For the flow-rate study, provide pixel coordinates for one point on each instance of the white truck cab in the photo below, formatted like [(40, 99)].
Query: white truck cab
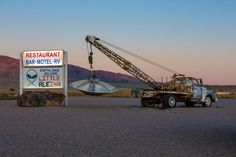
[(201, 94)]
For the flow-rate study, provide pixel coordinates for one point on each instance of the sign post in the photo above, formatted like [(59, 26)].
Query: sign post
[(44, 70), (66, 78)]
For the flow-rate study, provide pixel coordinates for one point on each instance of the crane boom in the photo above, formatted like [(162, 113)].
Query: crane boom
[(123, 63)]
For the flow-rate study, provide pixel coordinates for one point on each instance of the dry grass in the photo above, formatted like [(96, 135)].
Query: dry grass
[(8, 96), (230, 96), (73, 92), (123, 92)]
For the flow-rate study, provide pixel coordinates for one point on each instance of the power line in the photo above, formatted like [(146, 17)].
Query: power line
[(140, 57)]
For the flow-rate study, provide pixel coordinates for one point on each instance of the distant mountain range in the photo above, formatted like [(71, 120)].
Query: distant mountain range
[(9, 75), (10, 67)]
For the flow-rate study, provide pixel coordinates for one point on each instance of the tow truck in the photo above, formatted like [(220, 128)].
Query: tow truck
[(180, 88)]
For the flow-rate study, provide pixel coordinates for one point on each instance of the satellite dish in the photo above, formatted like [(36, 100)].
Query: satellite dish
[(93, 87)]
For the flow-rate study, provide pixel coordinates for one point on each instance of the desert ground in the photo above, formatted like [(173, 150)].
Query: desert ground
[(100, 126)]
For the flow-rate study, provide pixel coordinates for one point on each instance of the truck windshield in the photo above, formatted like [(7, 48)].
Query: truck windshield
[(188, 82)]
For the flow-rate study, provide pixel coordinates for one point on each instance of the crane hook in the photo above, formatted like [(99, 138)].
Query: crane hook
[(90, 59)]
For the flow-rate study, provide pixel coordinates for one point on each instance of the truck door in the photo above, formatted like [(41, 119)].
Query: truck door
[(196, 89)]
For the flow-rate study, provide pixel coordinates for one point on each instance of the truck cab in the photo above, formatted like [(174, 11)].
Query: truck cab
[(189, 90), (200, 93)]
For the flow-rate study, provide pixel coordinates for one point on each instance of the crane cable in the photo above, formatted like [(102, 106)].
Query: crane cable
[(90, 59), (140, 57)]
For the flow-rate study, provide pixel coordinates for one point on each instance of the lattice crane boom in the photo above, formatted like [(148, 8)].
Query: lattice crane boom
[(123, 63)]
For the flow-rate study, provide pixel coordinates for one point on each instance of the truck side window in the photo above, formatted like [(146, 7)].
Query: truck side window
[(195, 82)]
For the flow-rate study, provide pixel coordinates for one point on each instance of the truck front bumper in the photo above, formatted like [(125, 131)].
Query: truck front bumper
[(215, 99)]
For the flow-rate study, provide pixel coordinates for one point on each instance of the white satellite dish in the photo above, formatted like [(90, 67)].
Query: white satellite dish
[(93, 87)]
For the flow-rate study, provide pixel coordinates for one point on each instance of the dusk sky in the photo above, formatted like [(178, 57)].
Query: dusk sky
[(194, 37)]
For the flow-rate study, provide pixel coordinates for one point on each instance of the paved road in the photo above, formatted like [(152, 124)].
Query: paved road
[(117, 127)]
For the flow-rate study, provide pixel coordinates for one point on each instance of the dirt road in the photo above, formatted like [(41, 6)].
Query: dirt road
[(95, 126)]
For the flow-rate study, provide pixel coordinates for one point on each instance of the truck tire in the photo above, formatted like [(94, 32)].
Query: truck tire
[(207, 102), (189, 104), (147, 103), (169, 101)]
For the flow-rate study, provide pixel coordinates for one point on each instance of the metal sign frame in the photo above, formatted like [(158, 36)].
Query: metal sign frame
[(64, 67)]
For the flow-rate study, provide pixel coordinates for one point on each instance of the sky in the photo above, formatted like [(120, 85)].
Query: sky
[(196, 38)]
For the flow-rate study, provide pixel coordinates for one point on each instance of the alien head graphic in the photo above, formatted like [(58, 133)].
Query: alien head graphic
[(31, 76)]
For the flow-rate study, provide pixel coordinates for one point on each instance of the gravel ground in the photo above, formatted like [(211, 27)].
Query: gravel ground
[(96, 126)]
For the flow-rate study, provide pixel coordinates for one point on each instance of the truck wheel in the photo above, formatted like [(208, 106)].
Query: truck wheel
[(147, 103), (169, 101), (189, 104), (207, 102)]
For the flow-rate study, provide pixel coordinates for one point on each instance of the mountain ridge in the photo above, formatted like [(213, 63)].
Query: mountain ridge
[(10, 68)]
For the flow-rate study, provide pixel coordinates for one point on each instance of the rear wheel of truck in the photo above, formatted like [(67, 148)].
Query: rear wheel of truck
[(169, 101), (207, 102)]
